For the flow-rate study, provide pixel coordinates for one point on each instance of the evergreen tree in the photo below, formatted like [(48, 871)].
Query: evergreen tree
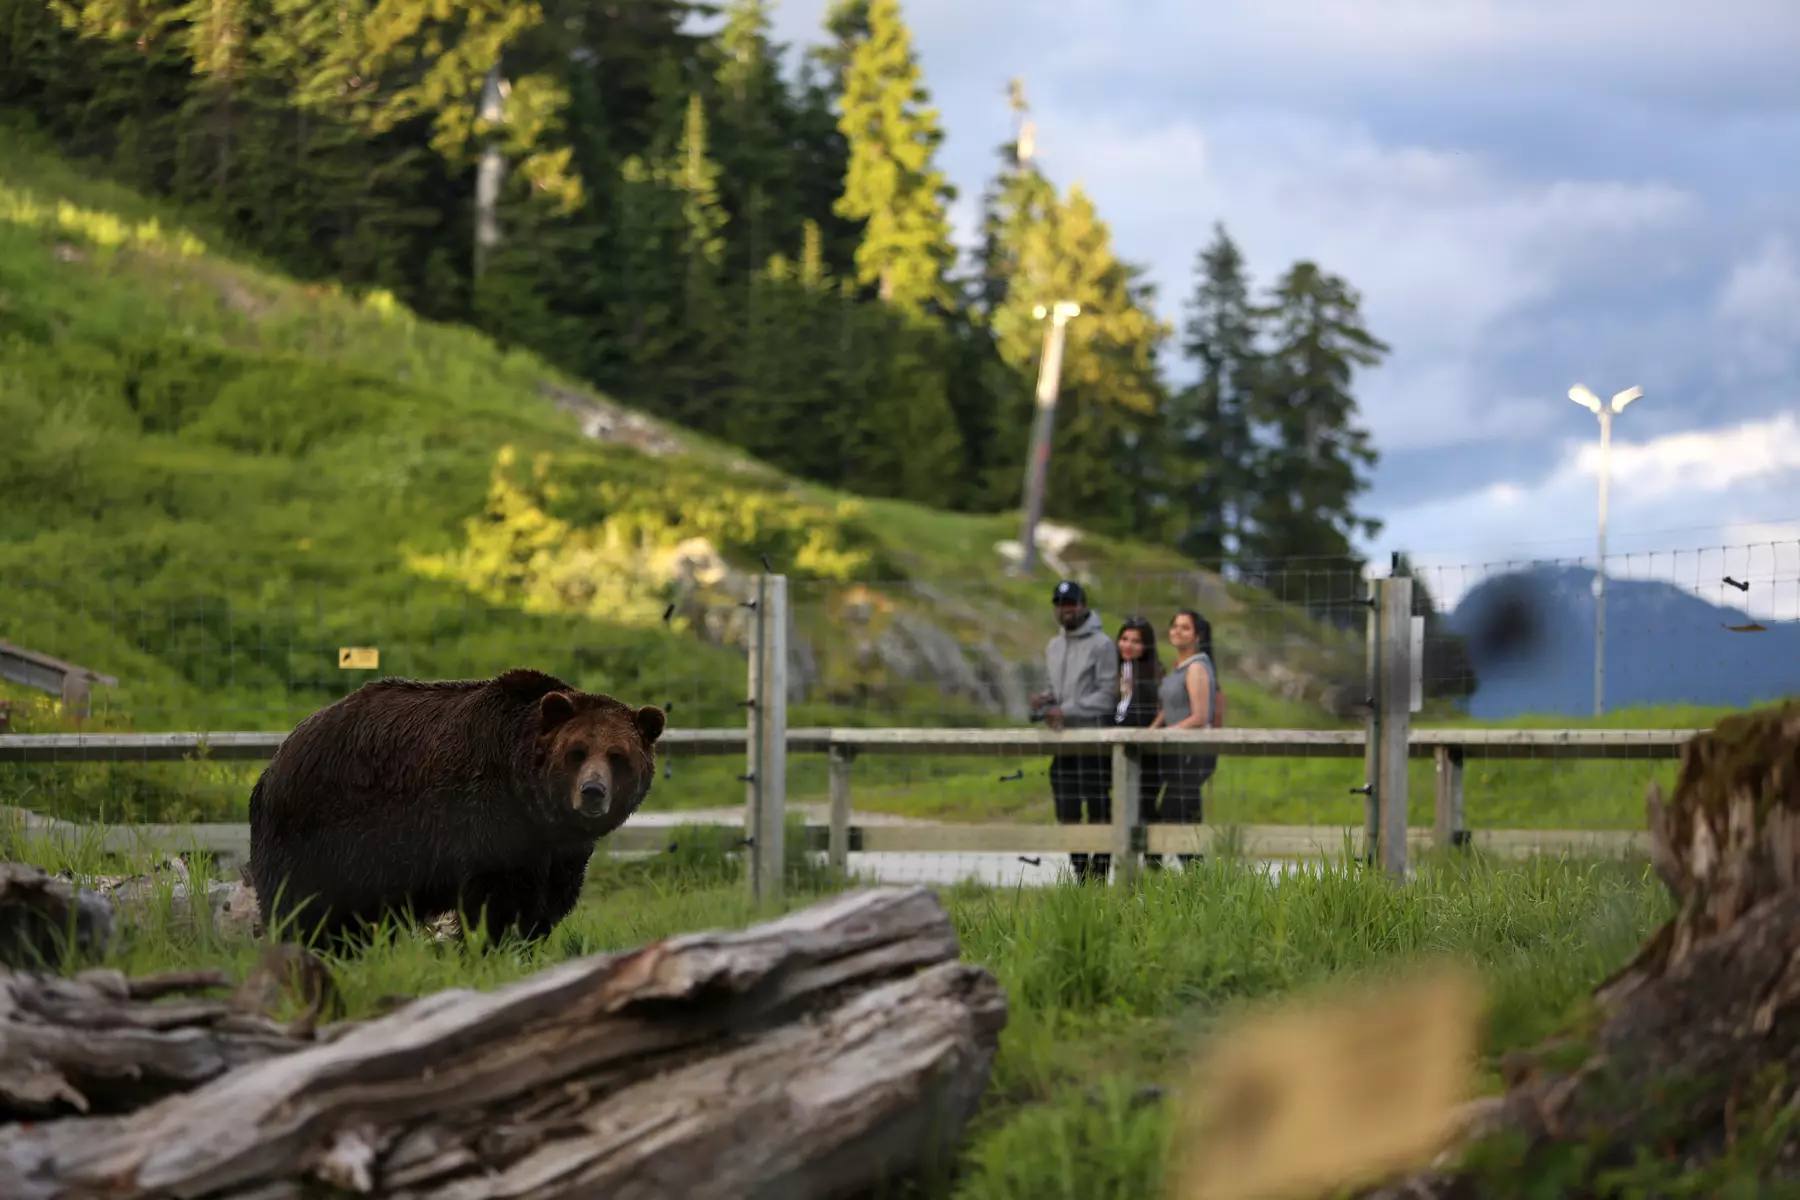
[(1210, 454), (846, 26), (721, 276), (753, 116), (1311, 470), (700, 371), (892, 184)]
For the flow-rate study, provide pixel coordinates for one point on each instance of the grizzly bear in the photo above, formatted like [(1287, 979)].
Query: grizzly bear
[(411, 798)]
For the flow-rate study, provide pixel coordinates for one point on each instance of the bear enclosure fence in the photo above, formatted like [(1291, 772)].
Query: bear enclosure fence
[(1388, 745)]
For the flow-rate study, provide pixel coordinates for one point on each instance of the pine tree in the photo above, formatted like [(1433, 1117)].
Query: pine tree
[(1209, 450), (892, 184), (695, 178), (1312, 472), (755, 117), (846, 26)]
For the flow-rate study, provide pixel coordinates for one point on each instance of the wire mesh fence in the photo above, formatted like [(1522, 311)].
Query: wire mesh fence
[(220, 650), (1689, 634), (1503, 645)]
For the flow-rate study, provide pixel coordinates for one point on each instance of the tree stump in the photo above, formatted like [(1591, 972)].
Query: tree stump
[(1694, 1045), (816, 1056)]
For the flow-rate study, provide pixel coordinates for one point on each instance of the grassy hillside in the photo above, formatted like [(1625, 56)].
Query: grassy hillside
[(217, 476)]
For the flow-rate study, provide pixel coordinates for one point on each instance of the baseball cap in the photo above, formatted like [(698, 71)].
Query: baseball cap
[(1068, 592)]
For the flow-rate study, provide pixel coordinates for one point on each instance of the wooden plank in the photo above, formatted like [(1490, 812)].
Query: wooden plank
[(1447, 825), (1260, 841), (1555, 743), (137, 747), (771, 817), (1395, 701), (1327, 841), (1127, 775), (1521, 843), (228, 842), (232, 841), (986, 839), (1371, 710), (753, 741), (838, 848), (260, 747), (1331, 743)]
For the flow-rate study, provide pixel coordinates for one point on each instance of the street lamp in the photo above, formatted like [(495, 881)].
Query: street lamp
[(1037, 464), (1580, 395)]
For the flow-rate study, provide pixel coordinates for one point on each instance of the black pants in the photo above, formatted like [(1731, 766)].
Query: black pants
[(1182, 778), (1082, 784)]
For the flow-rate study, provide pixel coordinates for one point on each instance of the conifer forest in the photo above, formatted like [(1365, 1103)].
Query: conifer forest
[(747, 238)]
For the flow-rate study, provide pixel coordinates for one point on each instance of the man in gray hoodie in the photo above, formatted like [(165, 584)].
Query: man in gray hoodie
[(1083, 665)]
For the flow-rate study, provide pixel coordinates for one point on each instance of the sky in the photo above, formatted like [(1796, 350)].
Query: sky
[(1526, 193)]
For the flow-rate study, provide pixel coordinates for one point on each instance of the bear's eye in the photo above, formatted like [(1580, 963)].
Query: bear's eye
[(577, 756)]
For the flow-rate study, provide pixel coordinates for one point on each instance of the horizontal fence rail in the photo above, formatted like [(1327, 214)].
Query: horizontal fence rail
[(230, 843), (1329, 743), (842, 836)]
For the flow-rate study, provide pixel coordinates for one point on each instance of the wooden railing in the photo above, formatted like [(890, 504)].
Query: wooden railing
[(840, 837)]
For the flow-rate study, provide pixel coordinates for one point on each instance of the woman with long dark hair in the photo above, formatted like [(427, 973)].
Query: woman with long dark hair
[(1188, 693), (1140, 675)]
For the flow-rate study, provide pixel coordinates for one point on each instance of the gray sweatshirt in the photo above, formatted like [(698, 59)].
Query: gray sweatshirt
[(1084, 673)]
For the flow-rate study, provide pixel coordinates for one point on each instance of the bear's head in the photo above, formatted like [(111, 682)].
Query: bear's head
[(599, 756)]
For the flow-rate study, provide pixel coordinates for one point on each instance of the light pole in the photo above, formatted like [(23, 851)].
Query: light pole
[(1580, 395), (1037, 465)]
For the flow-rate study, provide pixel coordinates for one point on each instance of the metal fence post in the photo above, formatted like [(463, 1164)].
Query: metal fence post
[(1394, 701), (771, 770)]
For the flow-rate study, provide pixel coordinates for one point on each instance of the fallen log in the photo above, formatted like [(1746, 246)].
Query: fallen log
[(99, 1042), (1693, 1047), (818, 1055), (44, 919)]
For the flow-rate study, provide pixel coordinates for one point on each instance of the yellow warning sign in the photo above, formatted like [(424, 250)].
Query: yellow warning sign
[(359, 658), (1330, 1090)]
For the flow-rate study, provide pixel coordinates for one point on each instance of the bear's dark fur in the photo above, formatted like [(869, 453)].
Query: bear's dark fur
[(414, 798)]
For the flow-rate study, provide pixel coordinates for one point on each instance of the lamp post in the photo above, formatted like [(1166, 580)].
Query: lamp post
[(1605, 411), (1037, 465)]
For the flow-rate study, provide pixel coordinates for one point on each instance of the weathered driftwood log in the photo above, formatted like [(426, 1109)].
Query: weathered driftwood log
[(813, 1056), (43, 918), (1697, 1039), (99, 1042)]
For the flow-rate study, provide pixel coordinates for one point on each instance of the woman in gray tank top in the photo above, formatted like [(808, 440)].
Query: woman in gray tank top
[(1190, 679)]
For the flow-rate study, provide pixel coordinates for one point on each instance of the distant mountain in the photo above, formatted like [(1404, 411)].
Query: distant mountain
[(1530, 635)]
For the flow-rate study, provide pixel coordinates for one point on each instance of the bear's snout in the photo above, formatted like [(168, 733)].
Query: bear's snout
[(594, 799)]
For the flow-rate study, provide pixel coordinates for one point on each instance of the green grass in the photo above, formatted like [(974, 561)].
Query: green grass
[(1109, 989)]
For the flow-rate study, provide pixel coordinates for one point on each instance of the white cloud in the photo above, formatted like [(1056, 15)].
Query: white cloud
[(1342, 40), (1685, 490), (1441, 244), (1758, 306), (1713, 461)]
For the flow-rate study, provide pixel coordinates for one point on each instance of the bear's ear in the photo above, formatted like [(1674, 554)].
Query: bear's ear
[(650, 721), (554, 709)]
